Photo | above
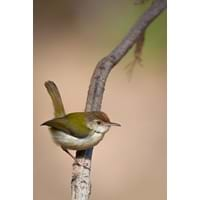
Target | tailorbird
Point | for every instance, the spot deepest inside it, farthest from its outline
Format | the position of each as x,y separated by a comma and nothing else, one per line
78,130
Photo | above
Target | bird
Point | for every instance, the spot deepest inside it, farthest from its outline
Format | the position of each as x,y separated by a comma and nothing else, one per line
76,130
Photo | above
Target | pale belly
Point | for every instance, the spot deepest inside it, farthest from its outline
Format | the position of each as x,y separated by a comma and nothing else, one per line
73,143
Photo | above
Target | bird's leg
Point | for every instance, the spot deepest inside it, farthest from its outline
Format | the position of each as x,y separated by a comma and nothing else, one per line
70,155
74,158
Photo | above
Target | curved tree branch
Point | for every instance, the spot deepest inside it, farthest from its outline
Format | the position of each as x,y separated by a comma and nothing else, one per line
80,184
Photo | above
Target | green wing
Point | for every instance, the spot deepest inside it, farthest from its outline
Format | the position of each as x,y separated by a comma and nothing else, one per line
73,124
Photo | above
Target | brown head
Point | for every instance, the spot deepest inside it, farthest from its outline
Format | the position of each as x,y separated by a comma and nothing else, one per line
99,122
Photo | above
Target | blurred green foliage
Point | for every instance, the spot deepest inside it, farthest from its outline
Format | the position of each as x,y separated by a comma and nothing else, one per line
100,25
118,21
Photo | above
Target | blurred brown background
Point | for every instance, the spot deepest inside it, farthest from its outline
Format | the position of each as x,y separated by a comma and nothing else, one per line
70,37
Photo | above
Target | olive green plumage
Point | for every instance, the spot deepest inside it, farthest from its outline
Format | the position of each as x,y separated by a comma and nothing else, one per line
75,131
75,123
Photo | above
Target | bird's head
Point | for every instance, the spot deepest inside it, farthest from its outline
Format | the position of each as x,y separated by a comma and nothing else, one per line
99,122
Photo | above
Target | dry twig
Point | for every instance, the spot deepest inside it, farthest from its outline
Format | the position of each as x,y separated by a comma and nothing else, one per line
80,184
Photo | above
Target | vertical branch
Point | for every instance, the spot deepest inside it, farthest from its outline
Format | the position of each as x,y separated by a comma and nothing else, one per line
81,184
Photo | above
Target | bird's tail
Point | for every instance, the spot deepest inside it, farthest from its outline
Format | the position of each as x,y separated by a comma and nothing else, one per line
53,91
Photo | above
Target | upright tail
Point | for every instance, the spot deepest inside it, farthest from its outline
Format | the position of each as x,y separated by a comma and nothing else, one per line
52,89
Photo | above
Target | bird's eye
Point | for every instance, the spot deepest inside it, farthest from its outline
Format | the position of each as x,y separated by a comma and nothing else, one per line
98,122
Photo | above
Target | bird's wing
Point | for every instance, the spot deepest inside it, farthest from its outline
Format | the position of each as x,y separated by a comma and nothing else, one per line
69,127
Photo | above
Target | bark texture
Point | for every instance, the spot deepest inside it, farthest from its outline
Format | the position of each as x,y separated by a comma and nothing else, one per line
80,183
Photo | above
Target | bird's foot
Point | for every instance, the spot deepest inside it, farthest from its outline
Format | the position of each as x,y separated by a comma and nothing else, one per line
80,164
76,162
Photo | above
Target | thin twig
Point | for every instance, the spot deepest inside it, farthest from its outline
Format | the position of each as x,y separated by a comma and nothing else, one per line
137,56
80,184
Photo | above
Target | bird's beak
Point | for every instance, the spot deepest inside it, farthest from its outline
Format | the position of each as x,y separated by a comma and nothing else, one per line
113,124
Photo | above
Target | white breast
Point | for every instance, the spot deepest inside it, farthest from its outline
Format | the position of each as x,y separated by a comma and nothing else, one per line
73,143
